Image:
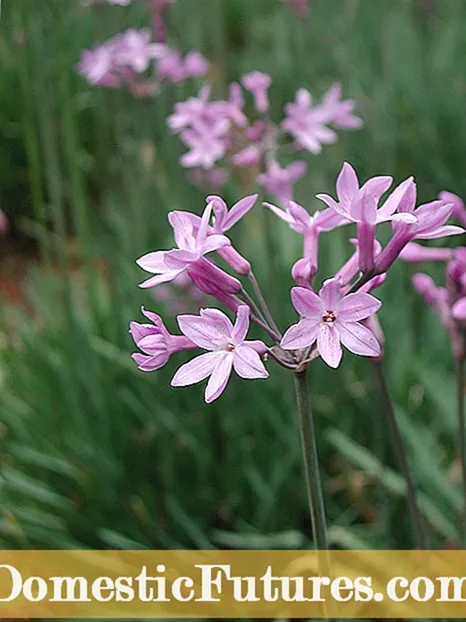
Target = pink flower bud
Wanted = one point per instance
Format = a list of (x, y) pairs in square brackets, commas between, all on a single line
[(303, 272)]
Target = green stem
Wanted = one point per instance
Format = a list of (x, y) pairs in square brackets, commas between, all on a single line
[(400, 449), (312, 473), (461, 437), (311, 462)]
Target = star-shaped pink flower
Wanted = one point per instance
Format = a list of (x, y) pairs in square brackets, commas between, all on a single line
[(227, 349), (192, 243), (332, 320)]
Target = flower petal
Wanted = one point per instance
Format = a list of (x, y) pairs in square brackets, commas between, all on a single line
[(160, 278), (328, 345), (205, 333), (213, 243), (241, 327), (347, 183), (354, 307), (330, 293), (150, 363), (459, 309), (403, 199), (301, 335), (153, 262), (248, 364), (359, 339), (238, 210), (183, 228), (196, 370), (219, 378), (441, 232), (307, 303), (280, 213)]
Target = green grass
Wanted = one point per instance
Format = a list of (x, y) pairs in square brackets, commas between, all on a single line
[(96, 454)]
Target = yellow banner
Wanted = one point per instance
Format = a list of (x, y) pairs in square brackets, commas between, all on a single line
[(232, 584)]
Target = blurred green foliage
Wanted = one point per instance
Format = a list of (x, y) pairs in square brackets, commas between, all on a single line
[(95, 453)]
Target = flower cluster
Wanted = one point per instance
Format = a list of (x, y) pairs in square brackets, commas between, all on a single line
[(449, 301), (341, 314), (126, 58), (221, 130)]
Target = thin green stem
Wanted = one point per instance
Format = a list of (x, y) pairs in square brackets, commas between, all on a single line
[(400, 449), (460, 386), (311, 462), (312, 472), (262, 302)]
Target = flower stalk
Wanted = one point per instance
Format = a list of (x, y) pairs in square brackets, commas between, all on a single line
[(400, 449), (311, 461), (460, 387)]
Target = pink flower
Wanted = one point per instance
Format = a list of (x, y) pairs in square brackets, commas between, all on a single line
[(258, 84), (332, 320), (192, 246), (224, 221), (206, 144), (306, 124), (459, 209), (156, 342), (416, 253), (459, 310), (279, 181), (301, 221), (340, 113), (226, 350), (429, 224), (98, 66), (134, 49), (360, 204), (174, 68)]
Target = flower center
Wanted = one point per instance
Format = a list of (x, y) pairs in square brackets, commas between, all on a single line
[(230, 347), (329, 317)]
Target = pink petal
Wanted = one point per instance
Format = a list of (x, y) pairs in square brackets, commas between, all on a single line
[(178, 259), (307, 303), (220, 376), (377, 185), (150, 363), (347, 183), (441, 232), (204, 225), (153, 262), (280, 213), (330, 294), (332, 204), (238, 210), (403, 198), (139, 331), (459, 309), (357, 306), (405, 217), (359, 339), (213, 243), (328, 345), (196, 370), (153, 344), (183, 229), (248, 364), (241, 327), (204, 333), (160, 278), (301, 335), (219, 320)]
